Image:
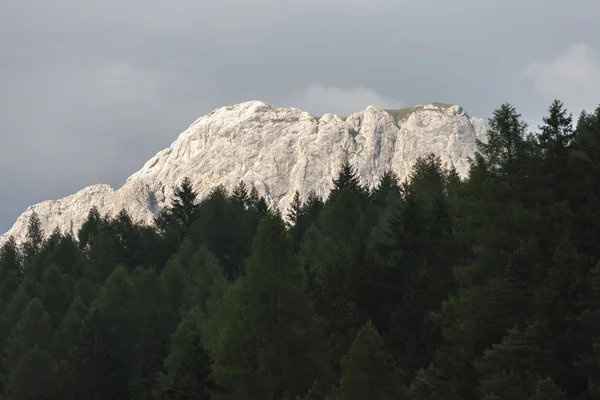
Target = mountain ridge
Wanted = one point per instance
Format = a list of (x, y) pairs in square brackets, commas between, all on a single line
[(279, 150)]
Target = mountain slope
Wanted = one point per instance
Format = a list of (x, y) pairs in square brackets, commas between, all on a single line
[(280, 150)]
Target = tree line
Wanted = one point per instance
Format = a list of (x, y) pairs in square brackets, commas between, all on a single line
[(435, 287)]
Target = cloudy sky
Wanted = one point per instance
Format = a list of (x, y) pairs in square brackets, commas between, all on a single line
[(89, 90)]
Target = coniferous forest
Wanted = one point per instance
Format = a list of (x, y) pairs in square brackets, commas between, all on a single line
[(436, 287)]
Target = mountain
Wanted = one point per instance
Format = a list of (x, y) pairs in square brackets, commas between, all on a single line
[(279, 150)]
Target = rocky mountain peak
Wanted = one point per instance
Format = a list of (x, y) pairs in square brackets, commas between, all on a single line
[(280, 151)]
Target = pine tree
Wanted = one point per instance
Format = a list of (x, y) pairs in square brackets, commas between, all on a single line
[(505, 137), (207, 273), (556, 134), (240, 193), (557, 131), (387, 190), (226, 229), (348, 179), (11, 273), (183, 209), (367, 369), (185, 206), (90, 228), (187, 373), (294, 211), (33, 329), (33, 377), (546, 389), (270, 343), (312, 208), (509, 369), (55, 293), (33, 239), (297, 222), (100, 374), (71, 325), (256, 203), (10, 258)]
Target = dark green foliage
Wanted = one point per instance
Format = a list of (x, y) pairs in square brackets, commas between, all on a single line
[(367, 369), (184, 208), (91, 227), (270, 342), (34, 238), (32, 377), (437, 287), (11, 273), (188, 366), (347, 179)]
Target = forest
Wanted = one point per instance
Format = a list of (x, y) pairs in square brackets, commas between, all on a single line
[(434, 287)]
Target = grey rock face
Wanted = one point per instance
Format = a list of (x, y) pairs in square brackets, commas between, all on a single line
[(279, 150)]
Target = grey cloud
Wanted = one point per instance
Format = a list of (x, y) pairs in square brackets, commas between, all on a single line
[(91, 90), (572, 76), (320, 99)]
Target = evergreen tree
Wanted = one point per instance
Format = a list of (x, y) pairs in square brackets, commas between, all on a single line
[(90, 228), (270, 343), (188, 367), (33, 239), (100, 374), (257, 204), (557, 131), (182, 212), (347, 179), (240, 193), (11, 273), (33, 377), (387, 190), (505, 138), (546, 389), (367, 370), (297, 222), (295, 211), (33, 329)]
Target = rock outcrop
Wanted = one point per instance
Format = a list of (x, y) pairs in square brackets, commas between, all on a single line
[(279, 150)]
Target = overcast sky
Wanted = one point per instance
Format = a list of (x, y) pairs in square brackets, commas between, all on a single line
[(89, 90)]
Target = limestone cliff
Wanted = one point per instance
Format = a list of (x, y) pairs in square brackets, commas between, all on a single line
[(280, 150)]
